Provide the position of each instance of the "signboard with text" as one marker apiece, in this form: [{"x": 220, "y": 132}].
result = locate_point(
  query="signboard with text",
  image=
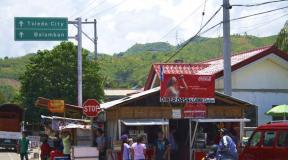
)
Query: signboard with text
[
  {"x": 194, "y": 110},
  {"x": 41, "y": 29},
  {"x": 56, "y": 106},
  {"x": 91, "y": 108},
  {"x": 187, "y": 88}
]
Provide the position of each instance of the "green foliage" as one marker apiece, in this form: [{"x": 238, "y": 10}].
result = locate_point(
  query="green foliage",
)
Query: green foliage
[
  {"x": 282, "y": 39},
  {"x": 8, "y": 93},
  {"x": 2, "y": 98},
  {"x": 130, "y": 68},
  {"x": 151, "y": 47},
  {"x": 53, "y": 74}
]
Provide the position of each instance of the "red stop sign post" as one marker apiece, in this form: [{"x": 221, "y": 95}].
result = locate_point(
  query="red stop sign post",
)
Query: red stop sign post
[{"x": 91, "y": 108}]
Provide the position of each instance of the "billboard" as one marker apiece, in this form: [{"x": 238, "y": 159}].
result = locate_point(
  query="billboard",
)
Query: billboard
[{"x": 187, "y": 88}]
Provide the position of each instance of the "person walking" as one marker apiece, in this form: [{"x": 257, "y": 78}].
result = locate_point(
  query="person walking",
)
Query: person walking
[
  {"x": 139, "y": 149},
  {"x": 23, "y": 147},
  {"x": 161, "y": 147},
  {"x": 227, "y": 148},
  {"x": 125, "y": 148}
]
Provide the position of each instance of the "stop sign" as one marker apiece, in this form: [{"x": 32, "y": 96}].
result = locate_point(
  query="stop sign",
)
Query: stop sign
[{"x": 91, "y": 108}]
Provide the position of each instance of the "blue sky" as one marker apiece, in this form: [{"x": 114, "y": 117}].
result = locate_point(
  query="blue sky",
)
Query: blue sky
[{"x": 122, "y": 23}]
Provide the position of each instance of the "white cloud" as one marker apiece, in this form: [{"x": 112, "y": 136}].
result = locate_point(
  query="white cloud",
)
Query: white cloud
[{"x": 121, "y": 23}]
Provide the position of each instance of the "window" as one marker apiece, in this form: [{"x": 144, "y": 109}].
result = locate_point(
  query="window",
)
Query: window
[
  {"x": 269, "y": 137},
  {"x": 255, "y": 140},
  {"x": 283, "y": 139}
]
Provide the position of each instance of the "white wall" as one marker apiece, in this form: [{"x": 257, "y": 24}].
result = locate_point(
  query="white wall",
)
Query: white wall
[
  {"x": 263, "y": 83},
  {"x": 264, "y": 101},
  {"x": 269, "y": 72}
]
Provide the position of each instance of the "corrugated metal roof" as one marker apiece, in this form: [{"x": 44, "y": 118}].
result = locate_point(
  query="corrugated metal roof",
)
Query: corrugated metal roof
[
  {"x": 107, "y": 105},
  {"x": 216, "y": 65},
  {"x": 119, "y": 92},
  {"x": 179, "y": 68},
  {"x": 110, "y": 104}
]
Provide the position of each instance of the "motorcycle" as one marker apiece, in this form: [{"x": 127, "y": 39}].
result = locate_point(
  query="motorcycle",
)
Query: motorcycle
[{"x": 211, "y": 155}]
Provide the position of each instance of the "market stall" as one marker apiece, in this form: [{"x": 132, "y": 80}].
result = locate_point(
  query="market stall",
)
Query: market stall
[{"x": 80, "y": 129}]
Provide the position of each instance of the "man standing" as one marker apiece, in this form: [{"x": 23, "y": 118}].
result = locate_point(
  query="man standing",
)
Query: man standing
[
  {"x": 227, "y": 148},
  {"x": 23, "y": 146},
  {"x": 173, "y": 144},
  {"x": 101, "y": 143},
  {"x": 161, "y": 147}
]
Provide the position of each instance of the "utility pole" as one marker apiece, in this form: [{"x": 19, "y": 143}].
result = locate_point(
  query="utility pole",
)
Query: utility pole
[
  {"x": 95, "y": 38},
  {"x": 226, "y": 48},
  {"x": 79, "y": 61}
]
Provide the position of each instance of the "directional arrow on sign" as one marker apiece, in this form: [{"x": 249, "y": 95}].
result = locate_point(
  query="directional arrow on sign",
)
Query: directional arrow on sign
[
  {"x": 21, "y": 34},
  {"x": 21, "y": 23}
]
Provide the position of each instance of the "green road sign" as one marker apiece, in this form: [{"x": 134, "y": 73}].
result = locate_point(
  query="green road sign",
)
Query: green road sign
[{"x": 40, "y": 29}]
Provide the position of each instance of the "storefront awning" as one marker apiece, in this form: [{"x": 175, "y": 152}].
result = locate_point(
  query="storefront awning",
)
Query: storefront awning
[
  {"x": 144, "y": 122},
  {"x": 221, "y": 120}
]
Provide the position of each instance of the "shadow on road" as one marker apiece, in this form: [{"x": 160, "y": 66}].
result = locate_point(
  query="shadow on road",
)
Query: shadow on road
[{"x": 7, "y": 150}]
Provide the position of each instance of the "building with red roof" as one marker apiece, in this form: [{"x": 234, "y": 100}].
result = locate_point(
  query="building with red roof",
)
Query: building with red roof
[{"x": 259, "y": 76}]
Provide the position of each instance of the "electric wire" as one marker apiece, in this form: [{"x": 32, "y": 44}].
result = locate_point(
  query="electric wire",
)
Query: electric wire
[
  {"x": 91, "y": 9},
  {"x": 203, "y": 13},
  {"x": 257, "y": 4},
  {"x": 182, "y": 21},
  {"x": 200, "y": 32},
  {"x": 192, "y": 38},
  {"x": 255, "y": 14},
  {"x": 91, "y": 2},
  {"x": 107, "y": 9}
]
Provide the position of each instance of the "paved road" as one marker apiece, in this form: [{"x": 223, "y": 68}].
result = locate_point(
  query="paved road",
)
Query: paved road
[{"x": 8, "y": 155}]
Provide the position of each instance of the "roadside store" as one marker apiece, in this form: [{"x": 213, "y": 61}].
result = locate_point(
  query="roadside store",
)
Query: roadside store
[{"x": 143, "y": 113}]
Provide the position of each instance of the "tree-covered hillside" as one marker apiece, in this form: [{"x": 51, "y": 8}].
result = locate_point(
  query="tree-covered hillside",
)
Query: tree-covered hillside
[{"x": 129, "y": 69}]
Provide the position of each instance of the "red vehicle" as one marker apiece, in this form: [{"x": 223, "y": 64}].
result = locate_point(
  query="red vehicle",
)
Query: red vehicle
[
  {"x": 268, "y": 142},
  {"x": 10, "y": 128}
]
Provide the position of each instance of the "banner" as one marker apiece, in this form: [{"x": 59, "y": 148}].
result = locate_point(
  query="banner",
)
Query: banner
[
  {"x": 56, "y": 106},
  {"x": 196, "y": 110},
  {"x": 187, "y": 88}
]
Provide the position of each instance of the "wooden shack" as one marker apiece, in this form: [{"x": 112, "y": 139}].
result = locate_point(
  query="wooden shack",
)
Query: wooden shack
[{"x": 146, "y": 105}]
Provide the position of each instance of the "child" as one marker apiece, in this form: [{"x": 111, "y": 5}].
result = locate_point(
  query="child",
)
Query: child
[
  {"x": 130, "y": 142},
  {"x": 45, "y": 150}
]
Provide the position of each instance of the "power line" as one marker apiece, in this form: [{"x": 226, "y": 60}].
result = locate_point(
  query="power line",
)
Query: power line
[
  {"x": 107, "y": 9},
  {"x": 203, "y": 13},
  {"x": 192, "y": 38},
  {"x": 261, "y": 25},
  {"x": 91, "y": 2},
  {"x": 182, "y": 21},
  {"x": 267, "y": 21},
  {"x": 257, "y": 4},
  {"x": 91, "y": 9},
  {"x": 251, "y": 15}
]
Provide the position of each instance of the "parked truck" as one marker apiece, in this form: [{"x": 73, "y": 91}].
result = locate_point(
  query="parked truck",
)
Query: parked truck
[{"x": 10, "y": 125}]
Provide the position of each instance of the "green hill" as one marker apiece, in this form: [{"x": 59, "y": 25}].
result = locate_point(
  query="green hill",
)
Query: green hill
[
  {"x": 151, "y": 47},
  {"x": 130, "y": 68}
]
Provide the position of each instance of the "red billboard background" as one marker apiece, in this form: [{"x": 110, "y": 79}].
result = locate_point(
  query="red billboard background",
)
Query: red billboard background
[{"x": 187, "y": 88}]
